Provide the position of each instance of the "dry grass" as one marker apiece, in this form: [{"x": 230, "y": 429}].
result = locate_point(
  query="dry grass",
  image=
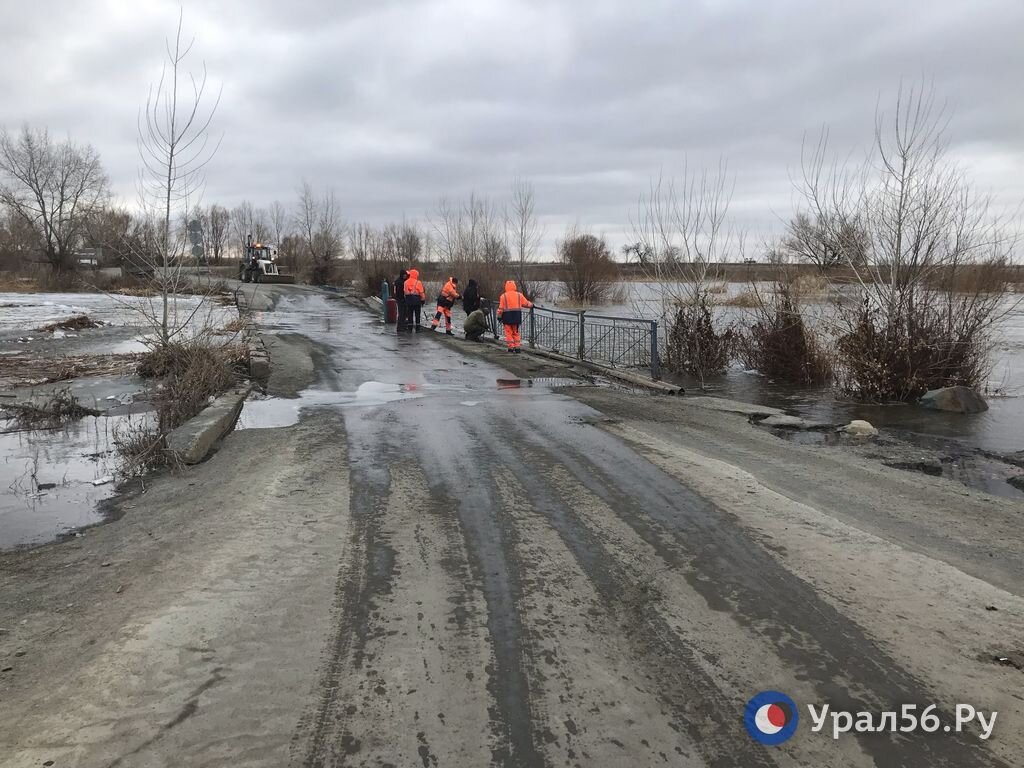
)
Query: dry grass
[
  {"x": 237, "y": 325},
  {"x": 60, "y": 407},
  {"x": 191, "y": 373},
  {"x": 76, "y": 323},
  {"x": 809, "y": 286},
  {"x": 28, "y": 369},
  {"x": 746, "y": 299}
]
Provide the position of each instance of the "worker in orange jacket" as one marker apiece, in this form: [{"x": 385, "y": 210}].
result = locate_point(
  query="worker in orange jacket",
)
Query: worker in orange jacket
[
  {"x": 449, "y": 295},
  {"x": 414, "y": 298},
  {"x": 510, "y": 313}
]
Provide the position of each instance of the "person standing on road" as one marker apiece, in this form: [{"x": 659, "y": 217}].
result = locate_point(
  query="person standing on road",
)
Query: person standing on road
[
  {"x": 399, "y": 291},
  {"x": 510, "y": 313},
  {"x": 471, "y": 298},
  {"x": 414, "y": 298},
  {"x": 449, "y": 295}
]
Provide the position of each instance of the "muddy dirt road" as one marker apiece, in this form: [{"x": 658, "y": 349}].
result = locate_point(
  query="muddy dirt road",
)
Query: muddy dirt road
[{"x": 412, "y": 556}]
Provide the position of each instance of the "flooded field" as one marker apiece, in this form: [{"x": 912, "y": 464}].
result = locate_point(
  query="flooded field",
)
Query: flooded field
[
  {"x": 52, "y": 481},
  {"x": 52, "y": 478}
]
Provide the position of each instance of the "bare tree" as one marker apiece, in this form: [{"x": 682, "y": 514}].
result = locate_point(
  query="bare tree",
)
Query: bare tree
[
  {"x": 932, "y": 280},
  {"x": 217, "y": 231},
  {"x": 471, "y": 239},
  {"x": 248, "y": 220},
  {"x": 17, "y": 239},
  {"x": 589, "y": 272},
  {"x": 174, "y": 148},
  {"x": 523, "y": 229},
  {"x": 321, "y": 230},
  {"x": 825, "y": 242},
  {"x": 683, "y": 231},
  {"x": 53, "y": 188},
  {"x": 279, "y": 221}
]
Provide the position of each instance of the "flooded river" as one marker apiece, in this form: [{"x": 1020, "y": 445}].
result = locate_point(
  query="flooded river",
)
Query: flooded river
[{"x": 1001, "y": 429}]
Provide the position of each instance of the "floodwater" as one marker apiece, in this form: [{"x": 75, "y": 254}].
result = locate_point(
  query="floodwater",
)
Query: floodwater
[
  {"x": 356, "y": 376},
  {"x": 52, "y": 481},
  {"x": 999, "y": 430},
  {"x": 26, "y": 312}
]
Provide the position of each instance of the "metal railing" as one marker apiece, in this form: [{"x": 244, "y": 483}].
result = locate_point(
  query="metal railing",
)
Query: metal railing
[{"x": 621, "y": 342}]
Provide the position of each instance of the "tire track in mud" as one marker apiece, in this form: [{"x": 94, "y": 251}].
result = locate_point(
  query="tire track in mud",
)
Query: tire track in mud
[
  {"x": 328, "y": 741},
  {"x": 698, "y": 707},
  {"x": 601, "y": 706},
  {"x": 734, "y": 573},
  {"x": 405, "y": 683},
  {"x": 489, "y": 541}
]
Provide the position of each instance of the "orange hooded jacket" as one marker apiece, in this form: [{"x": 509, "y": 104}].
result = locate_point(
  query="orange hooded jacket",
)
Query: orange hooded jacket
[
  {"x": 449, "y": 294},
  {"x": 413, "y": 286},
  {"x": 511, "y": 305}
]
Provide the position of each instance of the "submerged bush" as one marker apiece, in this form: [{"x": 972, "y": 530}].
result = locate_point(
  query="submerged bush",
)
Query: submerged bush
[
  {"x": 781, "y": 346},
  {"x": 900, "y": 352},
  {"x": 694, "y": 345}
]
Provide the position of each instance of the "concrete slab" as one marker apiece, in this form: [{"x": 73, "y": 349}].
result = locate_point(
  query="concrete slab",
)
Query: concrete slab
[
  {"x": 733, "y": 406},
  {"x": 193, "y": 440}
]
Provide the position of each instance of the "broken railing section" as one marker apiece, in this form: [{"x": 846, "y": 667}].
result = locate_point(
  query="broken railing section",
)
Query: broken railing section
[{"x": 621, "y": 342}]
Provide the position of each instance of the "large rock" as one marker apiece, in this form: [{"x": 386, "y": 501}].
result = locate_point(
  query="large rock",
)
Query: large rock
[
  {"x": 954, "y": 400},
  {"x": 859, "y": 428}
]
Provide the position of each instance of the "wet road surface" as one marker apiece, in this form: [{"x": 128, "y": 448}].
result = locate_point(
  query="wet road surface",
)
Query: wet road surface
[
  {"x": 417, "y": 553},
  {"x": 521, "y": 588}
]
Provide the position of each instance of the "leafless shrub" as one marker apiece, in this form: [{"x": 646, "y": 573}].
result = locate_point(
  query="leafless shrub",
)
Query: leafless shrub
[
  {"x": 589, "y": 274},
  {"x": 190, "y": 374},
  {"x": 694, "y": 345},
  {"x": 780, "y": 344},
  {"x": 140, "y": 447}
]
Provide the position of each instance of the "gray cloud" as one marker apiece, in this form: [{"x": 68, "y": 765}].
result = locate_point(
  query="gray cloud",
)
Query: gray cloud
[{"x": 397, "y": 103}]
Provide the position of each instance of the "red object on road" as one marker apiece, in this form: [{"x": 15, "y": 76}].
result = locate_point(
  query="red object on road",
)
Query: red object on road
[{"x": 391, "y": 312}]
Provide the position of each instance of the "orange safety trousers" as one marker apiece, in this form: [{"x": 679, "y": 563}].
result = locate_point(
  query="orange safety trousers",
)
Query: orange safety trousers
[
  {"x": 513, "y": 338},
  {"x": 447, "y": 312}
]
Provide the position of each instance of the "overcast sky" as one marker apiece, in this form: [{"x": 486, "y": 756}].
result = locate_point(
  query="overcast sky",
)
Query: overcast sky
[{"x": 394, "y": 103}]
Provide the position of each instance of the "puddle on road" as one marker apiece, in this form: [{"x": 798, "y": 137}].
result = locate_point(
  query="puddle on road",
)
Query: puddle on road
[
  {"x": 284, "y": 412},
  {"x": 47, "y": 477},
  {"x": 275, "y": 412}
]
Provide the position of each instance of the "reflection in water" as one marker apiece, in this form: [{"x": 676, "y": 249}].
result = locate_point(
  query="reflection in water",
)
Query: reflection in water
[{"x": 52, "y": 480}]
